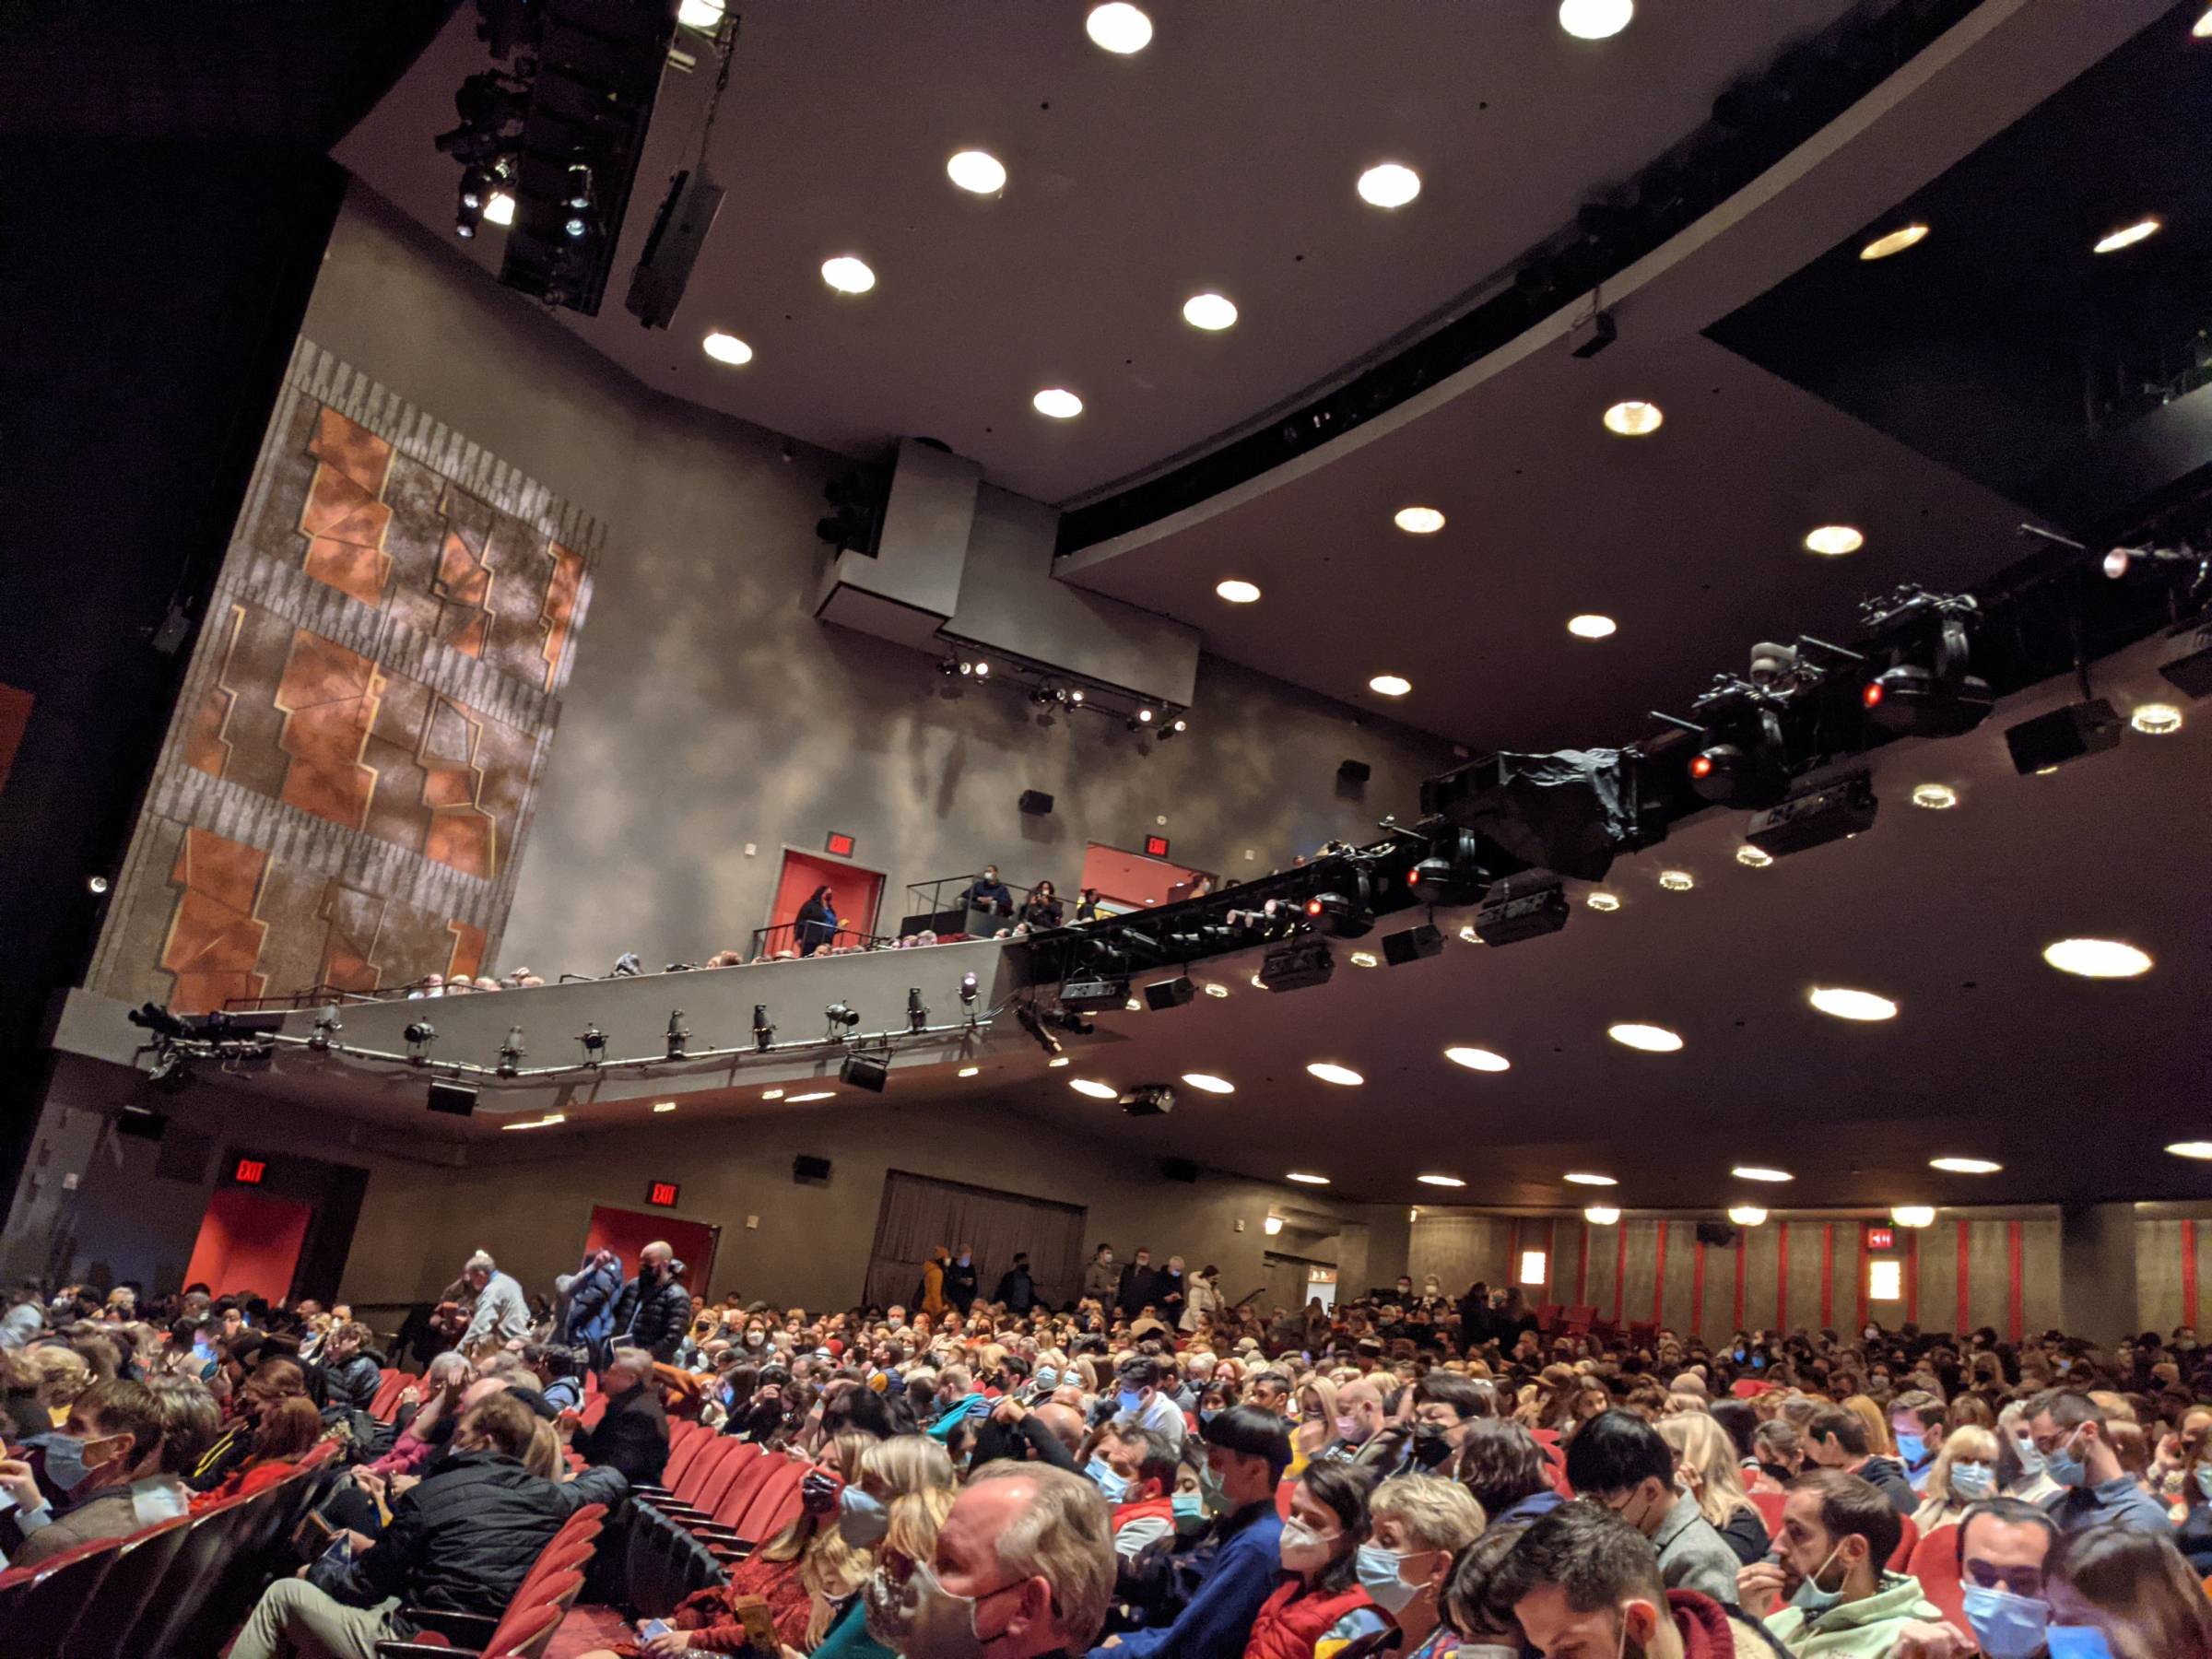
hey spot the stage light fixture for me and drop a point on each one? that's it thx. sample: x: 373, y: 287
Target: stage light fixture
x: 1413, y: 944
x: 841, y: 1014
x: 917, y: 1015
x: 1174, y: 728
x: 327, y: 1024
x: 1815, y: 816
x: 1912, y: 1215
x: 1163, y: 994
x: 1522, y: 908
x: 1296, y: 964
x: 1455, y: 871
x: 1098, y: 994
x: 1149, y: 1099
x: 2089, y: 728
x: 870, y: 1072
x: 679, y: 1037
x: 594, y: 1042
x: 512, y: 1051
x: 968, y: 992
x: 950, y: 666
x: 763, y: 1032
x: 1075, y: 696
x: 1025, y: 1016
x: 1601, y: 1215
x: 421, y: 1036
x: 1747, y: 1215
x: 1936, y: 700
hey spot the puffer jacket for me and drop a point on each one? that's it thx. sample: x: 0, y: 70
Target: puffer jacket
x: 654, y: 1317
x: 352, y: 1384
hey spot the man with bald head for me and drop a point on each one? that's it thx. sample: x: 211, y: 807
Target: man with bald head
x: 654, y: 1309
x: 1359, y: 1420
x: 1049, y: 1433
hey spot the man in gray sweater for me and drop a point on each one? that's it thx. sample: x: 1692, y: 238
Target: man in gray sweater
x: 503, y: 1312
x: 1618, y: 1459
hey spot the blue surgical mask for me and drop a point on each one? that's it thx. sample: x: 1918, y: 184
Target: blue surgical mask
x: 1130, y: 1399
x: 2064, y: 1466
x: 65, y: 1464
x: 1911, y: 1448
x: 1972, y: 1481
x: 863, y: 1519
x: 1047, y: 1377
x: 1810, y: 1598
x: 1100, y: 1475
x: 2077, y: 1642
x: 1189, y: 1510
x: 1206, y: 1417
x: 2005, y: 1625
x: 2204, y: 1479
x: 2031, y: 1457
x: 1378, y: 1570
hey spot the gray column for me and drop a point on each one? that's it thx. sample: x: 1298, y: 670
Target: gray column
x: 2097, y: 1270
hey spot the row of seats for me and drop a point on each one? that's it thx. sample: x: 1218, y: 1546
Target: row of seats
x: 525, y: 1628
x: 180, y: 1587
x: 722, y: 1497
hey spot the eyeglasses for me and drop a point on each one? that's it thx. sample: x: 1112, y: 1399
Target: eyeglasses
x: 2020, y: 1581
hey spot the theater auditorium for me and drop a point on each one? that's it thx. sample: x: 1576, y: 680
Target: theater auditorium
x: 998, y: 828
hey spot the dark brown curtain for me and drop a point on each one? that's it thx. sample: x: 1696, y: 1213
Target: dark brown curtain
x: 920, y: 1213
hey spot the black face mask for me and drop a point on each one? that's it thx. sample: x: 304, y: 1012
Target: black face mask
x: 1429, y: 1446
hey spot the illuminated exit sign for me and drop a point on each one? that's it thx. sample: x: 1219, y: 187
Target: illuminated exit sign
x: 663, y: 1192
x: 249, y: 1171
x: 1880, y: 1237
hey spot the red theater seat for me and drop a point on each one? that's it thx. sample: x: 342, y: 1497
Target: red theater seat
x: 1936, y: 1564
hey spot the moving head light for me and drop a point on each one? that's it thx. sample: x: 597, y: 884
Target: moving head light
x: 1937, y: 699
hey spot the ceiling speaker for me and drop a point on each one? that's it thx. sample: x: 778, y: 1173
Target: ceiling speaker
x: 1716, y: 1235
x: 1036, y: 803
x: 804, y: 1168
x: 1354, y: 771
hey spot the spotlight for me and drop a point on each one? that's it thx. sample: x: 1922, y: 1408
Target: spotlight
x: 627, y: 965
x: 511, y: 1053
x: 1141, y: 720
x: 1518, y: 911
x: 1024, y: 1015
x: 1043, y: 695
x: 1098, y: 993
x: 1295, y: 964
x: 917, y: 1016
x: 966, y: 666
x: 870, y: 1072
x: 950, y: 666
x: 594, y: 1042
x: 763, y: 1032
x: 153, y: 1018
x: 1149, y: 1099
x: 1453, y: 873
x: 2067, y: 734
x: 1076, y: 697
x: 1815, y: 817
x: 968, y: 992
x: 1567, y: 812
x: 1942, y: 700
x: 1070, y: 1020
x: 326, y: 1023
x: 580, y: 185
x: 1413, y: 944
x: 839, y: 1015
x: 678, y: 1037
x: 575, y: 227
x: 1174, y: 728
x: 97, y: 886
x: 1163, y: 994
x: 420, y: 1035
x: 983, y: 671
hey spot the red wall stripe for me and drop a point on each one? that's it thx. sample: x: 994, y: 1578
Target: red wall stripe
x: 1966, y: 1259
x: 1582, y: 1270
x: 1913, y: 1276
x: 1863, y: 1300
x: 1696, y: 1290
x: 2012, y: 1277
x: 1828, y: 1274
x: 1781, y: 1278
x: 1620, y: 1269
x: 1551, y: 1260
x: 2189, y: 1274
x: 1659, y: 1278
x: 1743, y: 1261
x: 1513, y: 1251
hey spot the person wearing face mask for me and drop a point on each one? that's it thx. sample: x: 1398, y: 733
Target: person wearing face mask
x: 1419, y: 1526
x: 1840, y: 1440
x: 1620, y: 1460
x: 1099, y: 1278
x: 905, y: 1490
x: 1965, y: 1473
x: 102, y: 1475
x: 1446, y: 1408
x: 1357, y: 1421
x: 1201, y: 1300
x: 2069, y: 1430
x: 1319, y: 1606
x: 1916, y: 1423
x: 654, y: 1309
x: 1134, y: 1471
x: 1138, y: 1397
x: 1139, y: 1287
x: 2120, y: 1593
x: 632, y: 1435
x: 1827, y: 1593
x: 585, y: 1301
x: 960, y: 1279
x: 2020, y: 1472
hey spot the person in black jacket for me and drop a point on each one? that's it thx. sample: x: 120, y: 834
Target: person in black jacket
x: 352, y: 1372
x: 1140, y: 1285
x: 634, y: 1435
x: 1016, y: 1290
x: 461, y: 1540
x: 654, y: 1309
x: 960, y: 1279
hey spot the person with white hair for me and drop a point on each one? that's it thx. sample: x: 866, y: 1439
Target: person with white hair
x: 502, y: 1312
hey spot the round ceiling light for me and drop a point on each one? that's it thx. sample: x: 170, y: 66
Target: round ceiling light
x: 1595, y: 19
x: 1329, y: 1072
x: 2156, y: 719
x: 1305, y: 1180
x: 2191, y: 1148
x: 1364, y: 959
x: 2097, y: 958
x: 2201, y: 27
x: 1964, y: 1166
x: 1418, y: 520
x: 970, y: 1071
x: 1590, y: 627
x: 1644, y: 1039
x: 1206, y: 1083
x: 1834, y: 540
x: 1119, y: 28
x: 819, y: 1094
x: 1761, y: 1173
x: 1477, y: 1059
x: 1212, y: 313
x: 726, y: 348
x: 1057, y: 401
x: 1634, y: 418
x: 2127, y: 236
x: 1747, y: 1215
x: 1603, y: 902
x: 1753, y: 858
x: 1212, y: 989
x: 772, y: 1094
x: 1601, y: 1215
x: 1852, y: 1005
x: 1057, y: 1062
x: 1893, y: 241
x: 1238, y: 591
x: 1390, y: 685
x: 1584, y: 1178
x: 1442, y: 1181
x: 1677, y: 881
x: 1095, y: 1090
x: 700, y: 13
x: 848, y: 275
x: 1935, y: 797
x: 1912, y: 1215
x: 978, y: 172
x: 1389, y: 185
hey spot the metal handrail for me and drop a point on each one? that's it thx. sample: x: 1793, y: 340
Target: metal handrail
x: 784, y: 935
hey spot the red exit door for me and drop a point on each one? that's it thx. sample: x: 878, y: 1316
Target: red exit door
x: 628, y: 1231
x: 249, y: 1244
x: 856, y: 893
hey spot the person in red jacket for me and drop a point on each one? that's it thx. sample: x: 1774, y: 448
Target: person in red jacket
x: 1319, y: 1607
x: 1135, y: 1469
x: 286, y: 1432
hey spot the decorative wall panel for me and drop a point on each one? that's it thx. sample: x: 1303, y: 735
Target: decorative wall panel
x: 350, y: 774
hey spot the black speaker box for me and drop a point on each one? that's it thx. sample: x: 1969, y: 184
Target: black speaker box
x: 1036, y: 803
x: 1716, y: 1235
x: 804, y: 1168
x: 1354, y: 771
x: 1178, y: 1168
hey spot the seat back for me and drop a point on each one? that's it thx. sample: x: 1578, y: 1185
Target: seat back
x: 525, y: 1630
x: 384, y: 1405
x: 775, y: 1505
x: 1906, y: 1539
x: 194, y: 1574
x: 701, y: 1470
x: 42, y: 1602
x: 1582, y: 1316
x: 752, y: 1475
x: 1282, y: 1496
x: 558, y: 1557
x: 686, y: 1441
x: 1936, y: 1564
x: 1770, y: 1507
x: 728, y: 1465
x: 141, y: 1560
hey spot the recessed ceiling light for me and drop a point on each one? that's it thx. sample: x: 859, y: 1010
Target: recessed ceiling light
x: 1258, y: 983
x: 1761, y: 1173
x: 1477, y: 1059
x: 1467, y: 936
x: 1237, y: 592
x: 726, y: 348
x: 1212, y: 313
x: 1834, y: 540
x: 2201, y: 27
x: 2127, y: 236
x: 848, y: 275
x: 1603, y: 902
x: 772, y: 1094
x: 1584, y: 1178
x: 499, y: 209
x: 700, y: 13
x: 1119, y: 28
x: 1601, y: 1215
x: 1206, y: 1083
x: 1893, y: 241
x: 1850, y: 1004
x: 1677, y: 881
x: 819, y: 1094
x: 1389, y: 185
x: 2097, y: 958
x: 1753, y: 858
x: 1058, y: 402
x: 2156, y: 720
x: 970, y: 1071
x: 1056, y: 1061
x: 1912, y: 1215
x: 979, y: 171
x: 1134, y: 1005
x: 1305, y: 1180
x: 664, y: 1105
x: 1417, y: 521
x: 1442, y: 1181
x: 1634, y: 418
x: 1363, y: 959
x: 1964, y: 1166
x: 1213, y: 990
x: 2190, y: 1149
x: 1647, y: 1039
x: 1595, y: 19
x: 1390, y: 685
x: 1095, y: 1090
x: 1747, y: 1215
x: 1935, y: 797
x: 1329, y: 1072
x: 1590, y: 627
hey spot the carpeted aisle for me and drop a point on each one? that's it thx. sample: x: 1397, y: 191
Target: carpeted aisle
x: 586, y: 1629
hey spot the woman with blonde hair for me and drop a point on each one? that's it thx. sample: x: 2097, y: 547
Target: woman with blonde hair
x: 1965, y: 1472
x: 1316, y: 1421
x: 1708, y: 1468
x: 1879, y: 1441
x: 904, y: 1492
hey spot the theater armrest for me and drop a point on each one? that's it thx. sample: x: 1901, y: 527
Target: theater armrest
x: 422, y: 1650
x: 729, y: 1552
x: 464, y: 1630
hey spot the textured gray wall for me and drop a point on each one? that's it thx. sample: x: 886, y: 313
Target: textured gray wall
x: 708, y: 709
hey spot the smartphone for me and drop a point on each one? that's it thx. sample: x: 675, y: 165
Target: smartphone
x: 651, y: 1627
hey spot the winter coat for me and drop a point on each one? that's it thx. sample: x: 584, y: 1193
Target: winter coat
x: 653, y: 1317
x: 352, y: 1384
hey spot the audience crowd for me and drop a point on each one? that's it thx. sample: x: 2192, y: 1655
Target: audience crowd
x: 1157, y: 1470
